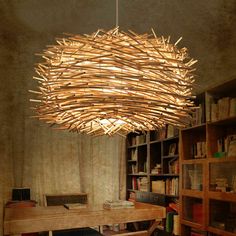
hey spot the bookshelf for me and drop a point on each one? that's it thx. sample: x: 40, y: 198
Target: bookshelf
x: 153, y: 167
x: 208, y: 165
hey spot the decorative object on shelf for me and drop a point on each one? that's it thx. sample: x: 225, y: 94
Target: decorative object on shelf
x: 114, y: 82
x: 172, y: 149
x: 221, y: 184
x: 199, y: 150
x: 195, y: 179
x: 156, y: 169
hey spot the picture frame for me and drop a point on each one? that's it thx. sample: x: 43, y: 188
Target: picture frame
x: 172, y: 149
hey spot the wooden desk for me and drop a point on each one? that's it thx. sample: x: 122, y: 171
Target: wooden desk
x: 39, y: 219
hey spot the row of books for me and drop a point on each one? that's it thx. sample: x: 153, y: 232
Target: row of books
x: 172, y: 223
x: 134, y: 154
x: 222, y: 109
x: 198, y: 150
x: 173, y: 166
x: 198, y: 116
x: 138, y: 139
x: 170, y: 186
x: 227, y: 145
x: 213, y: 110
x: 168, y: 131
x: 171, y: 131
x: 134, y: 169
x: 140, y: 183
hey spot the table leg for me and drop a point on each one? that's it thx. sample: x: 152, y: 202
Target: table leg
x: 153, y: 226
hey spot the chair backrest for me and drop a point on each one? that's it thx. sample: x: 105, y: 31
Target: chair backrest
x: 61, y: 199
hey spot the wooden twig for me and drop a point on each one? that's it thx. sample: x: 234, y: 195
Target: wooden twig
x: 114, y: 82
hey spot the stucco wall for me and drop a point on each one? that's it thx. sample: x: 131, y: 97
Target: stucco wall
x: 34, y: 155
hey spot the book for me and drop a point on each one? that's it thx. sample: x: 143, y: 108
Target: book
x: 232, y: 148
x: 134, y: 183
x: 214, y: 112
x: 134, y: 154
x: 142, y: 184
x: 118, y: 204
x: 169, y: 221
x: 170, y: 131
x: 198, y: 150
x: 173, y: 166
x: 208, y: 101
x: 176, y: 225
x: 75, y: 205
x: 232, y: 107
x: 223, y: 108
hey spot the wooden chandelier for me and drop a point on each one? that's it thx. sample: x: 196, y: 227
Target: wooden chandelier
x: 114, y: 82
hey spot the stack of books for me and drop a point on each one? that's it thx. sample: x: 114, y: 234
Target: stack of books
x: 117, y: 204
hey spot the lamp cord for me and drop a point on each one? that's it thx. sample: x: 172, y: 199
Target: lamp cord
x: 117, y: 13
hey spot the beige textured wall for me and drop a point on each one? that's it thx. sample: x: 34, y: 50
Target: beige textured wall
x: 34, y: 155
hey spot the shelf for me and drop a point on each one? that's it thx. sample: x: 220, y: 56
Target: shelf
x: 192, y: 193
x: 132, y: 160
x: 193, y: 161
x: 135, y: 190
x: 196, y: 127
x: 222, y: 196
x: 165, y: 175
x: 170, y: 138
x: 167, y: 195
x: 220, y: 231
x: 137, y: 145
x: 155, y: 141
x: 222, y: 159
x: 227, y: 121
x: 192, y: 224
x: 169, y: 157
x: 164, y: 140
x: 138, y: 174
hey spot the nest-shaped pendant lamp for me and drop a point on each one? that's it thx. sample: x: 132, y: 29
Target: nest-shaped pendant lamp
x: 114, y: 82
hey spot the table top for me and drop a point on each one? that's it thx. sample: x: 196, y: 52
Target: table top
x: 39, y: 219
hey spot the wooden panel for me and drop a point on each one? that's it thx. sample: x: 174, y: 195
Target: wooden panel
x: 222, y: 196
x: 192, y: 193
x: 219, y: 231
x: 192, y: 224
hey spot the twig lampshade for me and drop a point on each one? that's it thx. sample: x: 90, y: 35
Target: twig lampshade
x: 114, y: 82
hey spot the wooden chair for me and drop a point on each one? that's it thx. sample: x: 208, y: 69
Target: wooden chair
x: 57, y: 200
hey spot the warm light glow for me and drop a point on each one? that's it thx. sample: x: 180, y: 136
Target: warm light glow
x: 114, y: 82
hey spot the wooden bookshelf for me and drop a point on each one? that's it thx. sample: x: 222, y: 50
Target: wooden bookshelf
x: 208, y: 163
x: 158, y: 156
